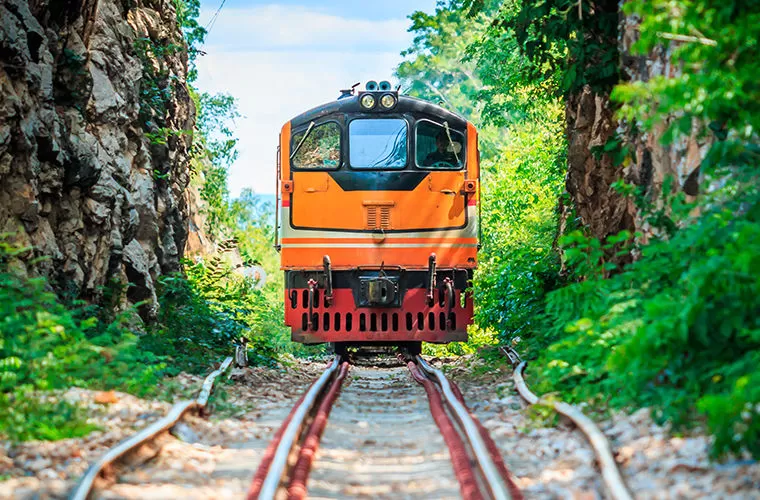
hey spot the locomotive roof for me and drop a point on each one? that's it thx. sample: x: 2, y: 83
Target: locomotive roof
x: 405, y: 104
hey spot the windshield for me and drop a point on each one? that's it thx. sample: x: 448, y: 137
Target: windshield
x: 377, y: 143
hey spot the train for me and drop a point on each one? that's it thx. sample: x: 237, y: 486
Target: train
x: 377, y: 220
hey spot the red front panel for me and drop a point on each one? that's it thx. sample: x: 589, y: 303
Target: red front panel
x: 342, y: 321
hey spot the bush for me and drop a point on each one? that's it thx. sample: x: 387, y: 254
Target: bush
x: 518, y: 262
x: 677, y: 330
x: 203, y: 314
x: 45, y: 346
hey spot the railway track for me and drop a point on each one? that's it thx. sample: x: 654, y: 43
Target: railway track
x: 397, y: 428
x: 106, y: 464
x: 359, y: 458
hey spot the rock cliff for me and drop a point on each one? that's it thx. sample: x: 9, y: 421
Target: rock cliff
x: 591, y: 124
x: 95, y: 121
x: 653, y: 160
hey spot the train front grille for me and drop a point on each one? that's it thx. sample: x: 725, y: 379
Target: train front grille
x: 378, y: 216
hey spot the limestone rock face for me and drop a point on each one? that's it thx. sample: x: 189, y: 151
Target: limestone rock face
x: 200, y: 243
x: 94, y: 141
x: 591, y: 122
x: 654, y: 161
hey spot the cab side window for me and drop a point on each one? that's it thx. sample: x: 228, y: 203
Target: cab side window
x: 438, y: 147
x: 319, y: 147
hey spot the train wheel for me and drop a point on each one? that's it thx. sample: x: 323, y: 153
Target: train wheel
x: 411, y: 349
x: 339, y: 348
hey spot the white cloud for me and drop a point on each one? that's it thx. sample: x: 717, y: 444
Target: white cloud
x: 286, y: 27
x: 276, y: 79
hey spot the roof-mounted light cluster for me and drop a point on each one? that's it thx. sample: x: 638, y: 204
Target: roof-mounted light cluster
x: 378, y: 94
x: 373, y: 86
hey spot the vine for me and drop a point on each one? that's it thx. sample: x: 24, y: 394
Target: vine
x: 563, y: 45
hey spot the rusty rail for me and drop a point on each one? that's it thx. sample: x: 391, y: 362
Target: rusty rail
x: 269, y: 475
x: 496, y: 483
x: 611, y: 477
x: 495, y: 477
x: 490, y: 444
x: 297, y: 488
x: 463, y: 470
x: 84, y: 488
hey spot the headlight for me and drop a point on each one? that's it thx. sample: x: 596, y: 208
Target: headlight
x: 368, y: 101
x: 388, y: 101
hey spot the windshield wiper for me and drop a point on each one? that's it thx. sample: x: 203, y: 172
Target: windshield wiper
x: 451, y: 143
x: 394, y: 153
x: 308, y: 131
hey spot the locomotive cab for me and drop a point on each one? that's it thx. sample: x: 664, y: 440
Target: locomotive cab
x: 378, y: 216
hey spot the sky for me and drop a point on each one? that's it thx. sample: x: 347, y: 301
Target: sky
x: 280, y: 59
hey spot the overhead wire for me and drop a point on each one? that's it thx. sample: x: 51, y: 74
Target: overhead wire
x: 212, y: 21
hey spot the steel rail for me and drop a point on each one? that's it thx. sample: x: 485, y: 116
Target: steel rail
x: 276, y: 470
x: 613, y: 481
x: 84, y: 487
x: 266, y: 460
x: 297, y: 489
x: 460, y: 459
x: 494, y: 479
x: 491, y: 445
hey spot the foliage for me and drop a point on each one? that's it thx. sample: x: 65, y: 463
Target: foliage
x: 31, y: 417
x: 188, y: 12
x: 436, y: 67
x: 477, y: 338
x: 677, y: 330
x: 215, y: 112
x: 45, y: 346
x: 433, y: 69
x: 48, y: 344
x: 214, y: 144
x: 518, y: 263
x: 213, y: 291
x: 716, y: 46
x: 203, y: 313
x: 562, y: 45
x: 457, y: 58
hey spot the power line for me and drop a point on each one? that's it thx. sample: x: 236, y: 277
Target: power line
x: 214, y: 17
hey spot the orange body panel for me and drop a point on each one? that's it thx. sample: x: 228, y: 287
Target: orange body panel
x: 319, y: 202
x: 411, y: 258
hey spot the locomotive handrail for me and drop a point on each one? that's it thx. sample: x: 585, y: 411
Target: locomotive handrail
x: 449, y: 284
x: 379, y: 267
x: 312, y: 291
x: 328, y: 279
x: 431, y: 279
x: 277, y: 200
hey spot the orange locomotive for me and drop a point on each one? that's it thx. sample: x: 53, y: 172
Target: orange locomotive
x: 378, y: 203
